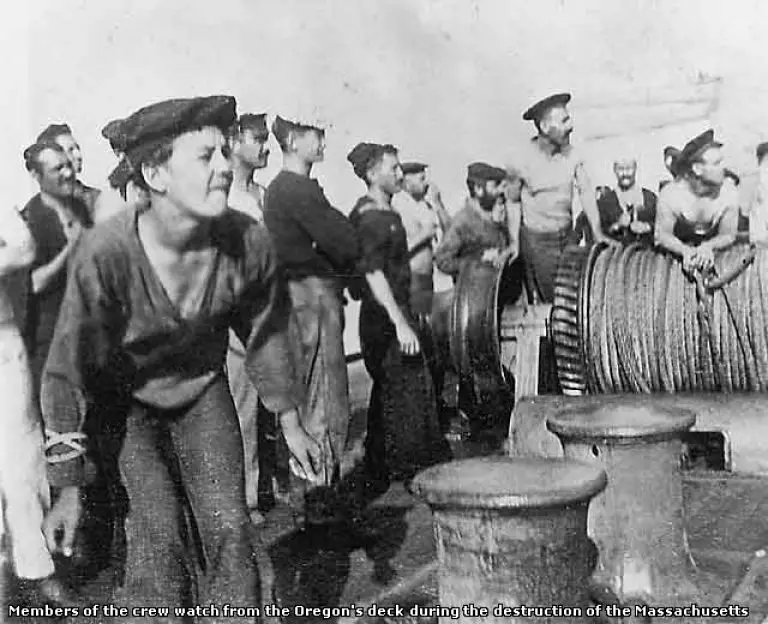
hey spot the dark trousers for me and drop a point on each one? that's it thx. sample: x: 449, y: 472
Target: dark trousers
x: 193, y: 457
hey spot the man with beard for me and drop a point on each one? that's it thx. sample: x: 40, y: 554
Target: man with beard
x: 479, y: 230
x: 544, y: 177
x: 628, y: 212
x: 61, y: 134
x: 249, y: 152
x: 151, y: 297
x: 318, y: 247
x: 56, y: 220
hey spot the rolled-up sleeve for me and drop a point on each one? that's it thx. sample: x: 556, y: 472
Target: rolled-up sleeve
x: 263, y: 324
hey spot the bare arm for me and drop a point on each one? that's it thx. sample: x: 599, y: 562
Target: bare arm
x: 589, y: 202
x: 664, y: 234
x: 18, y: 247
x: 726, y: 230
x: 44, y: 276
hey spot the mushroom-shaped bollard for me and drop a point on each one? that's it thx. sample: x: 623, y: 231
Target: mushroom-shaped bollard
x: 513, y: 532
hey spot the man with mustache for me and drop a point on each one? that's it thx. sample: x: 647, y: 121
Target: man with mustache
x: 479, y: 230
x: 150, y: 300
x: 56, y: 219
x: 544, y: 177
x: 628, y: 212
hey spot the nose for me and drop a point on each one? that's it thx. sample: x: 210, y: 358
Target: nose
x: 220, y: 163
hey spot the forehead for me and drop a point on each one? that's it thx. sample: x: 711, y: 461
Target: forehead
x: 558, y: 113
x: 627, y: 163
x: 203, y: 138
x: 66, y: 140
x: 389, y: 160
x: 50, y: 158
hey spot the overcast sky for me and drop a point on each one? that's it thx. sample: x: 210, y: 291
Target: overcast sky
x: 445, y: 80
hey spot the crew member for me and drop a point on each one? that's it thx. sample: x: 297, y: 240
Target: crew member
x: 318, y: 247
x: 628, y: 212
x: 479, y: 230
x: 403, y: 429
x: 56, y: 220
x: 150, y: 298
x: 543, y: 178
x: 698, y: 213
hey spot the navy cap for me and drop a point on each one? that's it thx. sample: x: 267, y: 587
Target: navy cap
x: 52, y: 132
x: 257, y: 123
x: 537, y: 111
x: 413, y: 167
x: 281, y: 128
x: 483, y: 172
x: 363, y: 155
x: 112, y: 133
x: 761, y: 151
x: 172, y: 118
x: 696, y: 147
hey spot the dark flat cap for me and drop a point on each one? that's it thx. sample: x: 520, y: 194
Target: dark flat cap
x: 120, y: 175
x: 483, y: 172
x: 696, y: 147
x: 413, y: 167
x: 172, y: 118
x: 535, y: 112
x: 671, y: 151
x: 256, y: 123
x: 53, y: 131
x: 761, y: 151
x: 281, y: 128
x: 112, y: 132
x: 363, y: 155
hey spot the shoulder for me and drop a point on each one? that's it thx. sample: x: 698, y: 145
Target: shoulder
x: 519, y: 157
x: 105, y: 250
x: 675, y: 194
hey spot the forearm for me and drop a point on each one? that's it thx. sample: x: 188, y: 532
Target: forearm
x: 383, y: 294
x: 44, y: 276
x: 442, y: 214
x: 671, y: 243
x: 722, y: 241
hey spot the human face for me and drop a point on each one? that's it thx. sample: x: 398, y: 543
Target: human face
x: 710, y: 167
x: 558, y: 125
x: 388, y: 175
x: 197, y: 176
x: 55, y: 175
x: 310, y: 145
x: 416, y: 185
x: 252, y: 149
x: 626, y: 173
x: 71, y: 147
x: 490, y: 194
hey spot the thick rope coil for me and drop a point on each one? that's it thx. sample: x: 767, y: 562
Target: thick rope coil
x: 641, y: 325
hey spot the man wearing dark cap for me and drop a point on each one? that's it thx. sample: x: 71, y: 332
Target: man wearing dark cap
x: 478, y: 231
x: 543, y: 177
x: 318, y: 247
x: 757, y: 203
x: 56, y: 220
x: 63, y: 136
x: 698, y: 213
x: 140, y: 345
x: 249, y: 153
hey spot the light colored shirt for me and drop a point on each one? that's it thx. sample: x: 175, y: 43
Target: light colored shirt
x: 546, y: 183
x: 417, y: 218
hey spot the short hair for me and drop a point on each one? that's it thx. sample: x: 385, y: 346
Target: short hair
x: 761, y: 152
x: 32, y: 154
x: 53, y: 132
x: 375, y: 159
x: 154, y: 154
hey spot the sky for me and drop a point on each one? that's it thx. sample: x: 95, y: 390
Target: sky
x: 446, y: 81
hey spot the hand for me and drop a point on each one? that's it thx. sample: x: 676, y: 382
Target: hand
x: 640, y: 227
x: 624, y: 220
x: 705, y: 257
x: 409, y: 342
x: 690, y: 263
x: 611, y: 242
x: 490, y: 255
x: 62, y: 520
x: 433, y: 194
x: 304, y: 449
x: 506, y: 257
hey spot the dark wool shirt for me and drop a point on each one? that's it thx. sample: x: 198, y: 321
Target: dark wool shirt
x: 311, y: 237
x: 118, y: 328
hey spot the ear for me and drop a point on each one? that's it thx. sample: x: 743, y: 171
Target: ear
x: 35, y: 175
x: 291, y: 142
x: 156, y: 177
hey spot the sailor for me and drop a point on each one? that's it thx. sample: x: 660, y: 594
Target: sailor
x: 403, y: 429
x: 318, y: 247
x: 698, y: 213
x: 544, y: 177
x: 479, y: 230
x: 151, y: 296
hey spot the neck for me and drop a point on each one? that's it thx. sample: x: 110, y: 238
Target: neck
x: 165, y: 225
x: 702, y: 188
x: 53, y: 201
x: 242, y: 174
x: 292, y: 162
x: 380, y: 196
x: 550, y: 146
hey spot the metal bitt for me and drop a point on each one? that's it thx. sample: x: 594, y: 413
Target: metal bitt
x: 513, y: 532
x: 637, y: 522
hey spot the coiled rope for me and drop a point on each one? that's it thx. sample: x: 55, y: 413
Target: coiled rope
x: 646, y: 326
